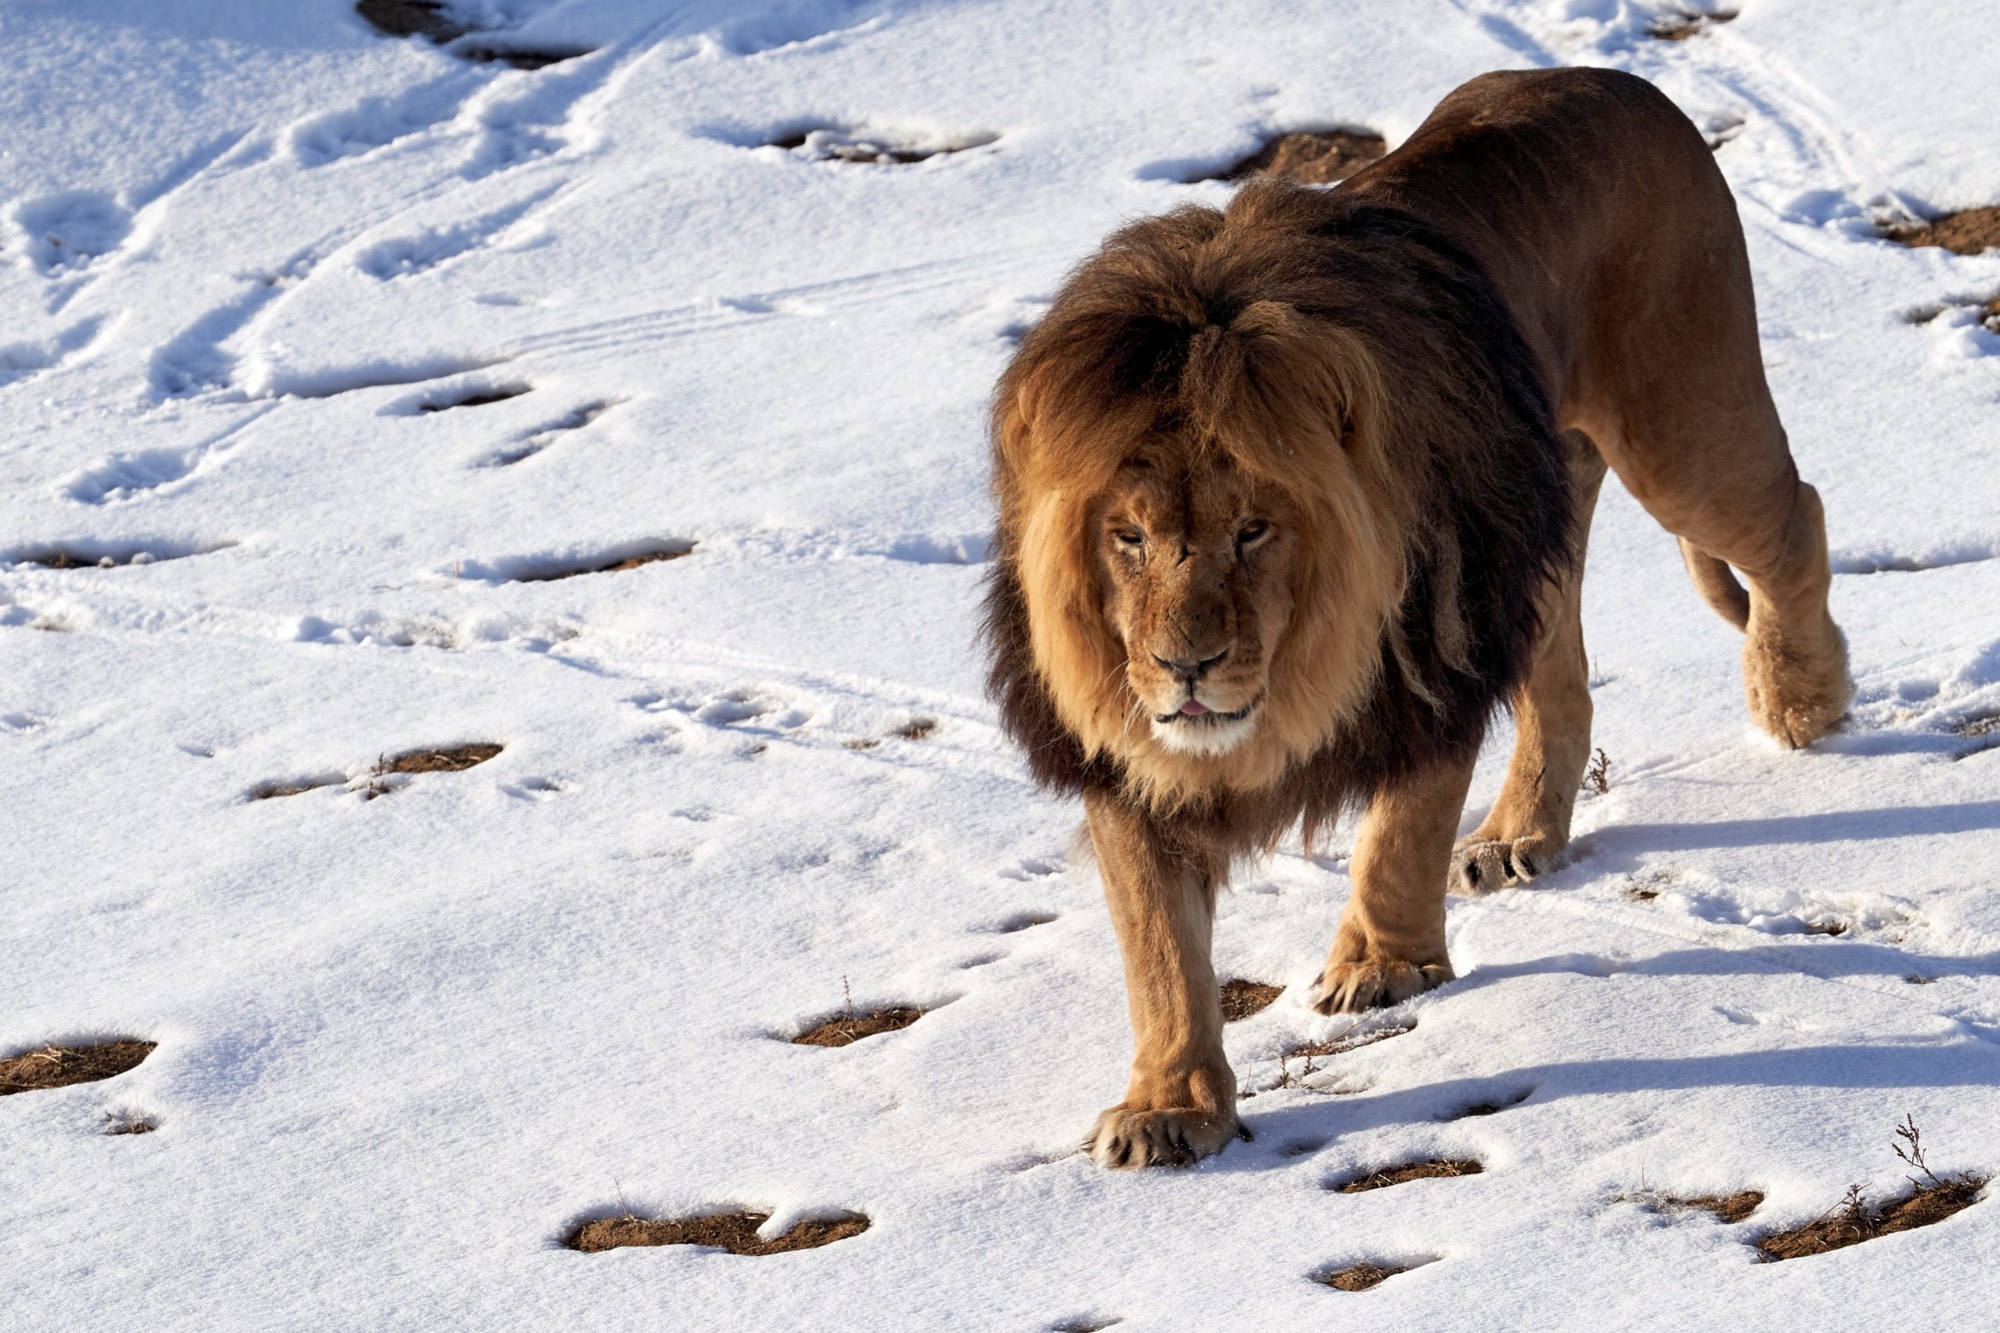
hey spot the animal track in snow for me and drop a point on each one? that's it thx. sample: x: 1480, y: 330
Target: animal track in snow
x: 546, y: 569
x: 869, y: 147
x: 377, y: 122
x: 1677, y: 25
x: 477, y: 396
x: 1940, y: 557
x: 536, y: 441
x: 847, y: 1028
x: 269, y: 379
x: 1367, y: 1274
x: 734, y: 1232
x: 1359, y: 1034
x: 88, y: 554
x: 379, y: 778
x: 60, y: 234
x: 1493, y: 1105
x: 1435, y: 1168
x: 406, y: 256
x: 59, y: 1066
x: 25, y: 360
x: 121, y: 477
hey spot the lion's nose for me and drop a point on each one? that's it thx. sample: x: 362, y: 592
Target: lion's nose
x: 1189, y: 669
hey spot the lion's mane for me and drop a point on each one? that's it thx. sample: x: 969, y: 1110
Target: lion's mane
x: 1353, y: 355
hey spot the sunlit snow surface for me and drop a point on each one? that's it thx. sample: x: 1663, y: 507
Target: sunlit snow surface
x: 255, y: 259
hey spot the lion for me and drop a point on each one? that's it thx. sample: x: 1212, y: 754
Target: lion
x: 1293, y: 496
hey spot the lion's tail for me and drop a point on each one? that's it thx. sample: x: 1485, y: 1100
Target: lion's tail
x: 1716, y: 582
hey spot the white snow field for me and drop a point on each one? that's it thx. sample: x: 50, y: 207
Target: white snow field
x: 411, y: 1030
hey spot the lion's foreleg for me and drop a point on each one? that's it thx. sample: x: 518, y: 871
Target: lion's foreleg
x: 1180, y: 1103
x: 1390, y: 943
x: 1526, y: 833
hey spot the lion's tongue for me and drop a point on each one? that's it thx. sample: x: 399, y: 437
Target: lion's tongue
x: 1193, y: 708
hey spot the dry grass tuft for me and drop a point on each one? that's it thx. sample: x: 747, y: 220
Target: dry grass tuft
x: 456, y: 759
x: 1351, y: 1041
x: 1933, y: 1198
x: 734, y: 1232
x: 1240, y: 999
x: 1597, y: 777
x: 60, y: 1066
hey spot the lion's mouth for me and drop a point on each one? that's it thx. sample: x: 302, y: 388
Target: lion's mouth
x: 1195, y: 712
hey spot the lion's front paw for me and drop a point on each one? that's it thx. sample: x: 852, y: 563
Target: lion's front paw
x: 1375, y: 983
x: 1175, y: 1136
x: 1487, y: 865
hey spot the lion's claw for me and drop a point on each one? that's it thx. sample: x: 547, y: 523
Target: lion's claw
x: 1375, y: 984
x: 1178, y: 1136
x: 1488, y: 865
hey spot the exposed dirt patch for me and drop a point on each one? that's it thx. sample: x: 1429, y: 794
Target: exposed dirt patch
x: 530, y: 445
x: 60, y: 1066
x: 1362, y: 1276
x: 498, y: 393
x: 1352, y: 1041
x: 1852, y: 1220
x: 1639, y: 894
x: 456, y: 759
x: 1437, y: 1168
x: 1726, y: 1207
x: 1677, y: 25
x: 734, y: 1232
x: 1826, y: 925
x: 95, y: 555
x: 1240, y: 999
x: 1968, y: 232
x: 916, y: 729
x: 1311, y: 157
x: 850, y: 1028
x: 829, y: 143
x: 130, y: 1124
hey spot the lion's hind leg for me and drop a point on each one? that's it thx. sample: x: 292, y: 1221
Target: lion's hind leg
x: 1526, y: 834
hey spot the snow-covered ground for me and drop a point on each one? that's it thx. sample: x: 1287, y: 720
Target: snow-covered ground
x: 253, y: 252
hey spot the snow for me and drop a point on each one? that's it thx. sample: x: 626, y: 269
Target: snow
x: 251, y: 254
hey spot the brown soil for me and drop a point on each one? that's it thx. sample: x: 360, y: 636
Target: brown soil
x: 1311, y: 158
x: 1970, y: 232
x: 1642, y: 895
x: 734, y: 1232
x: 454, y: 760
x: 57, y: 557
x: 1360, y: 1277
x: 1678, y: 27
x: 1341, y: 1045
x: 673, y: 551
x: 1726, y: 1207
x: 850, y: 1028
x: 479, y: 399
x: 1240, y: 999
x: 916, y: 729
x: 1852, y: 1221
x: 1826, y: 926
x: 1438, y: 1168
x: 411, y: 18
x: 60, y: 1066
x: 1981, y: 726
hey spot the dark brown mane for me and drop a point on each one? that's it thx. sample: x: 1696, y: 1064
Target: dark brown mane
x: 1138, y: 336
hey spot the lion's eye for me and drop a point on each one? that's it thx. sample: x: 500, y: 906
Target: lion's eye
x: 1252, y: 531
x: 1131, y: 538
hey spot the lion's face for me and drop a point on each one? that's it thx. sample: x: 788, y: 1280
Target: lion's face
x: 1196, y: 563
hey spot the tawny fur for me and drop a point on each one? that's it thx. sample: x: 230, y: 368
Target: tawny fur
x: 1293, y: 497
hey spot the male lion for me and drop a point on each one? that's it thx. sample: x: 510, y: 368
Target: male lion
x: 1293, y: 496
